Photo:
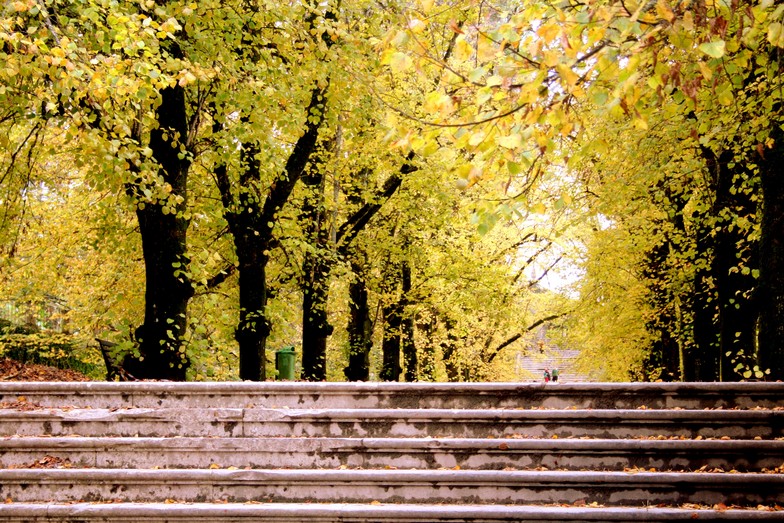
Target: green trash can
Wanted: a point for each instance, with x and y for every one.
(285, 361)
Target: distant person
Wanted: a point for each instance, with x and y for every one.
(555, 375)
(546, 375)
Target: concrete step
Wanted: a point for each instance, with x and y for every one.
(260, 422)
(359, 513)
(379, 453)
(374, 453)
(397, 395)
(389, 486)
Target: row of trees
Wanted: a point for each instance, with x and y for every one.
(253, 162)
(667, 118)
(232, 157)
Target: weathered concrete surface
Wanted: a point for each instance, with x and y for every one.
(398, 395)
(477, 452)
(357, 513)
(464, 423)
(391, 486)
(419, 453)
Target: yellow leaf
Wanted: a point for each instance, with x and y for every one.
(706, 71)
(776, 34)
(400, 62)
(426, 5)
(548, 32)
(486, 49)
(513, 141)
(462, 50)
(664, 11)
(476, 138)
(641, 123)
(569, 76)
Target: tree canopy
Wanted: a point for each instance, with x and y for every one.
(411, 190)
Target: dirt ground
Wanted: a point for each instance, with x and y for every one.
(11, 370)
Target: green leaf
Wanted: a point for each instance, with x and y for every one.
(714, 49)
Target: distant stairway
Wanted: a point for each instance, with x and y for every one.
(390, 452)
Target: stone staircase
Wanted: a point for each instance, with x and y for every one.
(390, 452)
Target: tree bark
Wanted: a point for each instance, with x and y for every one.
(360, 327)
(732, 250)
(701, 361)
(251, 225)
(164, 247)
(315, 284)
(407, 327)
(663, 361)
(316, 327)
(771, 281)
(391, 343)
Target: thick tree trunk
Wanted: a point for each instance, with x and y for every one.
(315, 278)
(360, 327)
(164, 247)
(252, 225)
(390, 346)
(729, 333)
(391, 310)
(315, 323)
(701, 361)
(316, 328)
(243, 212)
(407, 328)
(733, 252)
(253, 326)
(771, 281)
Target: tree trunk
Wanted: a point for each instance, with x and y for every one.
(735, 256)
(360, 327)
(390, 346)
(737, 319)
(315, 323)
(391, 310)
(407, 327)
(771, 281)
(164, 247)
(253, 326)
(251, 225)
(315, 278)
(664, 360)
(701, 362)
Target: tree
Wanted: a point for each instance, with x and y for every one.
(68, 59)
(522, 78)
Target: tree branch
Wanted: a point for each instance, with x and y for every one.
(357, 221)
(519, 335)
